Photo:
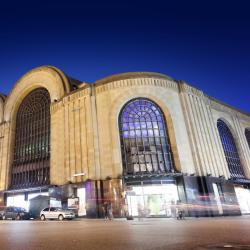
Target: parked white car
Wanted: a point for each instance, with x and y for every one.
(56, 213)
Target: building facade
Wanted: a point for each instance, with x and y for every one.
(133, 139)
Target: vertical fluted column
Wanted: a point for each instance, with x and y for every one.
(202, 134)
(220, 160)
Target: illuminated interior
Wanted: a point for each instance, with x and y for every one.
(81, 193)
(156, 200)
(19, 200)
(243, 196)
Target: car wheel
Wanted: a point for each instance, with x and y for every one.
(60, 217)
(43, 217)
(18, 217)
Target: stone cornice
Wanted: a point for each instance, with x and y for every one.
(186, 88)
(214, 103)
(137, 80)
(223, 107)
(82, 92)
(77, 94)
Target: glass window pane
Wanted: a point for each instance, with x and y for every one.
(156, 131)
(138, 133)
(144, 133)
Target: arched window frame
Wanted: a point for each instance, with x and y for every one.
(145, 144)
(230, 150)
(247, 135)
(31, 158)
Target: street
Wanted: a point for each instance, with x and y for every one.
(200, 234)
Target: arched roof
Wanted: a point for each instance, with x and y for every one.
(132, 75)
(48, 77)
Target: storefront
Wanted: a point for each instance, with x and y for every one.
(155, 198)
(68, 196)
(78, 202)
(21, 198)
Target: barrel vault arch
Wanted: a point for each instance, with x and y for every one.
(44, 77)
(47, 77)
(116, 109)
(237, 144)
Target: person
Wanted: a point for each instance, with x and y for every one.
(140, 211)
(125, 210)
(110, 210)
(179, 211)
(173, 208)
(105, 210)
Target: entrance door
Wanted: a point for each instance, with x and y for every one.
(81, 193)
(217, 198)
(155, 200)
(243, 196)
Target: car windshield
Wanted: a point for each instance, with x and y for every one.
(55, 209)
(19, 209)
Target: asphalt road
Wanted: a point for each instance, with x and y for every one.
(200, 234)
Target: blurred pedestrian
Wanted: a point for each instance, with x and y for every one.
(110, 210)
(105, 210)
(140, 211)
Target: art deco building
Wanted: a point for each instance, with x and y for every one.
(135, 139)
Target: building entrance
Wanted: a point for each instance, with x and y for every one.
(243, 196)
(157, 200)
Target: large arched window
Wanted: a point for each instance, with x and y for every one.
(247, 134)
(230, 150)
(32, 141)
(144, 139)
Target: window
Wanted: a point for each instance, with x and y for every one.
(144, 140)
(30, 165)
(230, 150)
(247, 134)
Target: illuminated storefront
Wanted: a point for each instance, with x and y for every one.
(243, 196)
(155, 199)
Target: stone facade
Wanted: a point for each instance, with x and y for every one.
(85, 133)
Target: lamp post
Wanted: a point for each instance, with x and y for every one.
(79, 174)
(76, 175)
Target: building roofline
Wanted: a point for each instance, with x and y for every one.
(227, 105)
(131, 75)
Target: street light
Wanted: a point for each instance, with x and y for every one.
(80, 174)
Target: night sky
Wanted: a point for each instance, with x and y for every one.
(205, 44)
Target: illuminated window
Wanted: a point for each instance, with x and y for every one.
(30, 165)
(144, 139)
(247, 134)
(230, 150)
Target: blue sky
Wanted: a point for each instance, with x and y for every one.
(205, 43)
